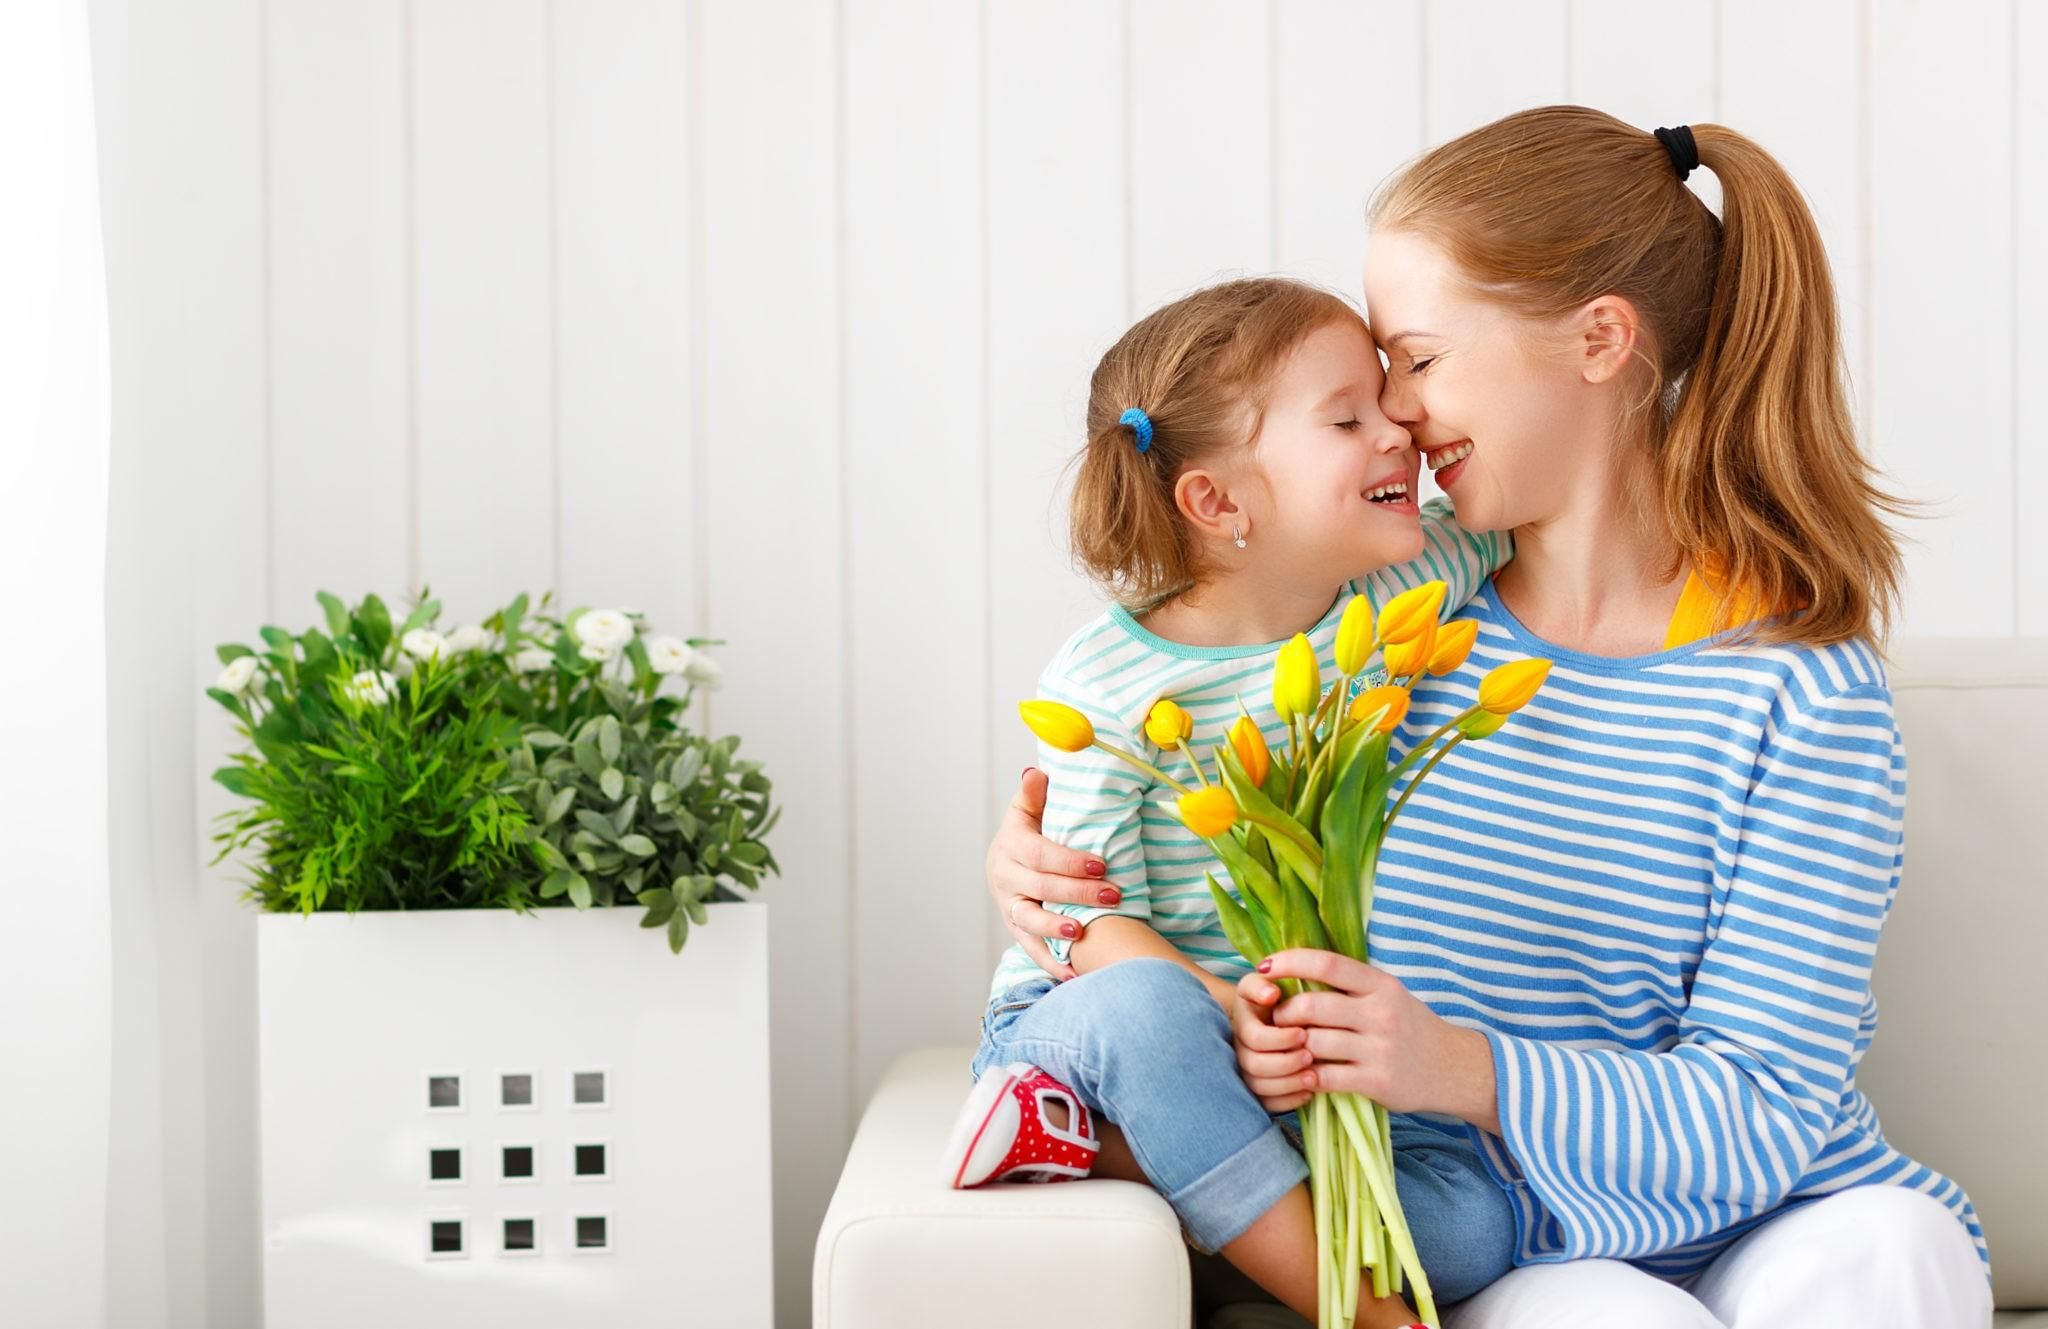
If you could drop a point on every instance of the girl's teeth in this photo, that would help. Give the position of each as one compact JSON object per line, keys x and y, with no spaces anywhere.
{"x":1385,"y":491}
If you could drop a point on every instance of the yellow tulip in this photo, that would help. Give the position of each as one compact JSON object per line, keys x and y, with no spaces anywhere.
{"x":1057,"y":725}
{"x":1208,"y":812}
{"x":1297,"y":679}
{"x":1250,"y":746}
{"x":1168,"y":724}
{"x":1354,"y":636}
{"x":1509,"y":687}
{"x":1407,"y":613}
{"x":1453,"y":644}
{"x":1393,"y":698}
{"x":1481,"y":724}
{"x":1411,"y":656}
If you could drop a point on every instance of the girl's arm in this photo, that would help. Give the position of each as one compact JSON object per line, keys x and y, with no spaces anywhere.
{"x":1114,"y":939}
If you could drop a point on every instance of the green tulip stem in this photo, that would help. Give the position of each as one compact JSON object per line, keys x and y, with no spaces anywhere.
{"x":1143,"y":765}
{"x":1416,"y":783}
{"x":1424,"y":746}
{"x":1182,"y":744}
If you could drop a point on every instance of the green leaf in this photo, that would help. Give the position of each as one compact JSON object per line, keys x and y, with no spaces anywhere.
{"x":426,"y":613}
{"x":278,"y":640}
{"x":588,"y":761}
{"x":542,"y":739}
{"x":579,"y":890}
{"x":233,"y":779}
{"x":612,"y":782}
{"x":608,"y":740}
{"x":695,"y":908}
{"x":678,"y":932}
{"x":637,"y":845}
{"x":231,"y":652}
{"x":597,"y":824}
{"x":623,"y":815}
{"x":556,"y":883}
{"x":375,"y":621}
{"x":753,"y":855}
{"x":1237,"y":923}
{"x":337,"y":613}
{"x":559,"y":806}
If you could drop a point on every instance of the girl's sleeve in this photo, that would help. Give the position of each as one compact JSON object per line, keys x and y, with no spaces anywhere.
{"x":1636,"y":1152}
{"x":1093,"y":803}
{"x":1459,"y":558}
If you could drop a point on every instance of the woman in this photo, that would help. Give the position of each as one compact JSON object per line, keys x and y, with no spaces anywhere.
{"x":1626,"y":944}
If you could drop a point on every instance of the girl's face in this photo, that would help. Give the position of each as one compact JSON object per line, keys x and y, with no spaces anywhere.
{"x":1333,"y":492}
{"x":1498,"y":412}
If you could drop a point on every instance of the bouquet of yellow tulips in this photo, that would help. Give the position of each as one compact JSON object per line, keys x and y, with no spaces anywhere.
{"x":1299,"y":832}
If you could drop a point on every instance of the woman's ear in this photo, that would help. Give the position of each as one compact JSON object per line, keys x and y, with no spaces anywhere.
{"x":1202,"y":499}
{"x":1608,"y":330}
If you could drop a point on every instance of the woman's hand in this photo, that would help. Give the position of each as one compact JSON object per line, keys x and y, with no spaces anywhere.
{"x":1371,"y":1036}
{"x":1273,"y":1062}
{"x":1025,"y":869}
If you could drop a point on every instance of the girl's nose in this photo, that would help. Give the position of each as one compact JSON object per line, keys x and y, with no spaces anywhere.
{"x":1400,"y":404}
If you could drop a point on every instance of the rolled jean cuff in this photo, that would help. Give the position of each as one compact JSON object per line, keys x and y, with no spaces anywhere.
{"x":1217,"y":1207}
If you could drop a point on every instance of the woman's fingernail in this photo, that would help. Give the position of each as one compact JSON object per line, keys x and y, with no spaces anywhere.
{"x":1026,"y":771}
{"x":1109,"y":896}
{"x":1308,"y":1077}
{"x":1094,"y":869}
{"x":1266,"y":966}
{"x":1069,"y":930}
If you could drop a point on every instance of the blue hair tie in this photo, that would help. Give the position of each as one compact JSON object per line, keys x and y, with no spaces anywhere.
{"x":1141,"y":425}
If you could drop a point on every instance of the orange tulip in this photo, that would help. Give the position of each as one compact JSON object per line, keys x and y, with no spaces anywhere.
{"x":1403,"y":618}
{"x":1453,"y":644}
{"x":1411,"y":657}
{"x":1250,"y":746}
{"x":1508,"y":688}
{"x":1058,"y":725}
{"x":1393,"y":698}
{"x":1208,"y":812}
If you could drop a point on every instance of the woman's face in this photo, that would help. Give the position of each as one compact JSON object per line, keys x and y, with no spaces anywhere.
{"x":1500,"y":414}
{"x":1336,"y":480}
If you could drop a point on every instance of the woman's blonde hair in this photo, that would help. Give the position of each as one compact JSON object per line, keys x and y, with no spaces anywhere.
{"x":1745,"y":404}
{"x":1200,"y":369}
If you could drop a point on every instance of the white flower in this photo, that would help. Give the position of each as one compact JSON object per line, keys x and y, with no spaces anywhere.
{"x":373,"y":686}
{"x":704,"y":672}
{"x":469,"y":637}
{"x":604,"y":627}
{"x":424,"y":644}
{"x":239,"y":677}
{"x":403,"y":665}
{"x":597,"y":652}
{"x":532,"y":660}
{"x":669,"y":655}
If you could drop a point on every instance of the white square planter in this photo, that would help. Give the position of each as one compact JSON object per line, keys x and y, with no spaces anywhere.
{"x":473,"y":1117}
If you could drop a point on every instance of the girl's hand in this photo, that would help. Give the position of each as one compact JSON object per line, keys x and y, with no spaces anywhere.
{"x":1371,"y":1036}
{"x":1025,"y":869}
{"x":1274,"y":1062}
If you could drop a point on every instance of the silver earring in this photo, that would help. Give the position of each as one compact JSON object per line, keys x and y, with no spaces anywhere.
{"x":1237,"y":536}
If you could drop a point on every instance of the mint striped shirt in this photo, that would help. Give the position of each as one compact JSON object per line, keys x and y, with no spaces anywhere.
{"x":1113,"y":670}
{"x":1658,"y":891}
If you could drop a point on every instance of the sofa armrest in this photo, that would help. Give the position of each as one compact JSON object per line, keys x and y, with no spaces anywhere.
{"x":899,"y":1249}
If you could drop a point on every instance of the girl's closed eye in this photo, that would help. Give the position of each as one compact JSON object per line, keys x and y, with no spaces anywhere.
{"x":1349,"y":426}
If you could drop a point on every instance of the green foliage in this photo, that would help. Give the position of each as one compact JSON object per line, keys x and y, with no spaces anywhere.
{"x":526,"y":761}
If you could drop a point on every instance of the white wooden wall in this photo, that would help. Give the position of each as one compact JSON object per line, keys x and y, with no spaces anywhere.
{"x":774,"y":320}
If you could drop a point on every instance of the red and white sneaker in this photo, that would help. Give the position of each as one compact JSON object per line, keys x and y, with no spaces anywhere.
{"x":1004,"y":1133}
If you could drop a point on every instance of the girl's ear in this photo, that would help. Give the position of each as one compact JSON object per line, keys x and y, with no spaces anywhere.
{"x":1608,"y":331}
{"x":1202,"y":499}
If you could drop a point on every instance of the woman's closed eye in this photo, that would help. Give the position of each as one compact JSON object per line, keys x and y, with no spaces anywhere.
{"x":1422,"y":365}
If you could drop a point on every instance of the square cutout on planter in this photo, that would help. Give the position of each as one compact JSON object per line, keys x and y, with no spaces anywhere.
{"x":519,"y":1163}
{"x":444,"y":1091}
{"x":518,"y":1091}
{"x":447,"y":1238}
{"x":519,"y":1236}
{"x":590,"y":1088}
{"x":444,"y":1167}
{"x":591,"y":1160}
{"x":593,"y":1233}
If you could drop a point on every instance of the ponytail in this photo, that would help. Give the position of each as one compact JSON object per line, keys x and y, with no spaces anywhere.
{"x":1745,"y":410}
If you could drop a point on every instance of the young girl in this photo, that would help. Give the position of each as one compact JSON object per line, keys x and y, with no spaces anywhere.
{"x":1238,"y":476}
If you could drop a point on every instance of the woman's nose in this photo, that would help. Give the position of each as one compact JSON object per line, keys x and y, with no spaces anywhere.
{"x":1390,"y":437}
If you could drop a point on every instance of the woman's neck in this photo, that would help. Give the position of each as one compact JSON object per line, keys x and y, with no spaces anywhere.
{"x":1593,"y":578}
{"x":1240,"y":609}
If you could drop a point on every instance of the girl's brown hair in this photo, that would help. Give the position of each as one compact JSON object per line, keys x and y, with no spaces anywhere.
{"x":1200,"y":369}
{"x":1755,"y":463}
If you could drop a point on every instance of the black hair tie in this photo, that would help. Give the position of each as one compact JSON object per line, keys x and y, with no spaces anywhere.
{"x":1685,"y":154}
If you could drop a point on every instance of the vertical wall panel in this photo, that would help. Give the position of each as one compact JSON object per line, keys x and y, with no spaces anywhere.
{"x":1941,"y":388}
{"x":623,"y":239}
{"x":1488,"y":58}
{"x":1057,"y":292}
{"x":485,"y":315}
{"x":1201,"y":107}
{"x":2029,"y":74}
{"x":916,"y":505}
{"x":341,"y":487}
{"x":1348,"y":111}
{"x":1800,"y":95}
{"x":775,"y":558}
{"x":1650,"y":65}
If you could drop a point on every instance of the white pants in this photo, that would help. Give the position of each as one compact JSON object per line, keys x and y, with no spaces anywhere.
{"x":1872,"y":1257}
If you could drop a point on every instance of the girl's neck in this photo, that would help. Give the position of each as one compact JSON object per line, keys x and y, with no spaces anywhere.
{"x":1593,"y":578}
{"x":1240,"y":609}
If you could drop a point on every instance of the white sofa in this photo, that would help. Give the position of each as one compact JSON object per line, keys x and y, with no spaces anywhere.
{"x":1958,"y":1072}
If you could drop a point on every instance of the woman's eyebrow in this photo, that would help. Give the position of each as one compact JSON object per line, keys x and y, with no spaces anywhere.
{"x":1412,"y":332}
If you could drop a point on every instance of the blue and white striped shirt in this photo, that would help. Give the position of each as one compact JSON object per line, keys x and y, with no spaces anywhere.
{"x":1658,"y":891}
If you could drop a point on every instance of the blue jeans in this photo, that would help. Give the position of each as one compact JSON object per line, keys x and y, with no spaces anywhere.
{"x":1145,"y":1045}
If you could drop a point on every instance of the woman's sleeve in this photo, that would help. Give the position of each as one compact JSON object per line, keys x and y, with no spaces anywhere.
{"x":1631,"y":1152}
{"x":1459,"y":558}
{"x":1094,"y":803}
